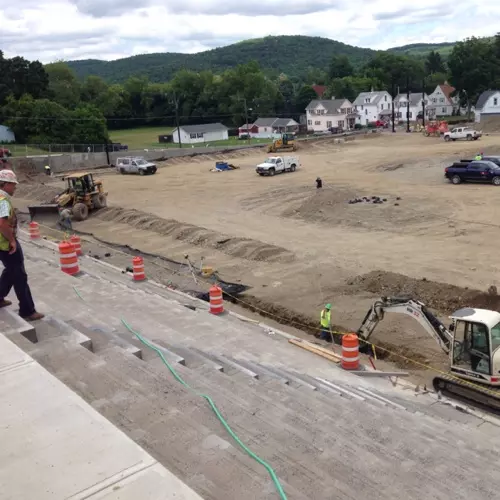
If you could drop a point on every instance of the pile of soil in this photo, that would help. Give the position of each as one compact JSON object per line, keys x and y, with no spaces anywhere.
{"x":441,"y":297}
{"x":244,"y":248}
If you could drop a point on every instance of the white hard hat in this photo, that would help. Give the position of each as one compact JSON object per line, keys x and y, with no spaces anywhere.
{"x":8,"y":176}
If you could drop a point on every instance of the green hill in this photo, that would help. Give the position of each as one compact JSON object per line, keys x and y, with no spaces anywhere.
{"x":422,"y":49}
{"x":292,"y":55}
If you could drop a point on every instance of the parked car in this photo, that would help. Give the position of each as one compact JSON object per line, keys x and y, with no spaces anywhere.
{"x":467,"y":133}
{"x":475,"y":171}
{"x":135,"y":165}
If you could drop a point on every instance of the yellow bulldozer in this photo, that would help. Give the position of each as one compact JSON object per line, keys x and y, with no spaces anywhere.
{"x":82,"y":195}
{"x":286,"y":142}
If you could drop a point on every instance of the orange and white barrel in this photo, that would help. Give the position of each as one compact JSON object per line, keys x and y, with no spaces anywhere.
{"x":34,"y":229}
{"x":216,"y":300}
{"x":350,"y":352}
{"x":68,"y":258}
{"x":77,"y":244}
{"x":138,"y":269}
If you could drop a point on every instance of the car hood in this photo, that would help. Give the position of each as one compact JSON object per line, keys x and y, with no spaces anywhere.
{"x":265,"y":164}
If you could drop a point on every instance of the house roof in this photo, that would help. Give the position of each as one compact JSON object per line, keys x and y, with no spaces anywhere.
{"x":265,"y":122}
{"x":207,"y":127}
{"x":415,"y":98}
{"x":447,"y":89}
{"x":319,"y":89}
{"x":283,"y":122}
{"x":331,"y":105}
{"x":374,"y":97}
{"x":483,"y":98}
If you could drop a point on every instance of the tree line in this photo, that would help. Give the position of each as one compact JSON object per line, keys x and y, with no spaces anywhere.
{"x":49,"y":104}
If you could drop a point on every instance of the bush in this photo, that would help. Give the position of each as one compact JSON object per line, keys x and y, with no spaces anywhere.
{"x":358,"y":126}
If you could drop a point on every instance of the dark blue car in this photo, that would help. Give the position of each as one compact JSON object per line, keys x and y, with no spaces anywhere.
{"x":474,"y":171}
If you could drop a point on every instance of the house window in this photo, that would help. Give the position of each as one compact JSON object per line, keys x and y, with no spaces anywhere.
{"x":495,"y":101}
{"x":385,"y":98}
{"x":309,"y":122}
{"x":367,"y":100}
{"x":441,"y":100}
{"x":366,"y":111}
{"x":434,"y":100}
{"x":361,"y":108}
{"x":192,"y":136}
{"x":443,"y":110}
{"x":317,"y":122}
{"x":381,"y":106}
{"x":340,"y":123}
{"x":328,"y":124}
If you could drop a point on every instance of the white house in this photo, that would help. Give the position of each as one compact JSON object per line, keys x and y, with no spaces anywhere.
{"x":372,"y":106}
{"x":266,"y":128}
{"x":416,"y":106}
{"x":324,"y":114}
{"x":442,"y":100}
{"x":6,"y":135}
{"x":192,"y":134}
{"x":488,"y":104}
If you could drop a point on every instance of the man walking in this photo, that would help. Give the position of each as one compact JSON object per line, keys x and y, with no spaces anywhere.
{"x":11,"y":254}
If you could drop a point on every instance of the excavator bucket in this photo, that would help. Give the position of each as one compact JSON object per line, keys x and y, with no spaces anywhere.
{"x":48,"y":213}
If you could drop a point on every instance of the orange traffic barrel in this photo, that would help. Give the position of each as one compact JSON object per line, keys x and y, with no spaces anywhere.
{"x":216,"y":301}
{"x":77,"y":244}
{"x":138,"y":269}
{"x":350,"y":352}
{"x":68,"y":258}
{"x":34,"y":231}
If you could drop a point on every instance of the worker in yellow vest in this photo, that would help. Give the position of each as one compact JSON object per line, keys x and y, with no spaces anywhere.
{"x":11,"y":254}
{"x":478,"y":157}
{"x":325,"y":321}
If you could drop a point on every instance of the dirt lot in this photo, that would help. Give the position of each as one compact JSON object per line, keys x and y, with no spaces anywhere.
{"x":299,"y":247}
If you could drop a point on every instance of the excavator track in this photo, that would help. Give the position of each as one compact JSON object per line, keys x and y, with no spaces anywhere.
{"x":483,"y":397}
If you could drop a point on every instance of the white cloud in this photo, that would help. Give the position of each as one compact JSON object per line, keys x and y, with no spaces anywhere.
{"x":109,"y":29}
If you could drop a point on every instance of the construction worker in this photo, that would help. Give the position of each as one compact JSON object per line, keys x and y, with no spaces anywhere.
{"x":47,"y":169}
{"x":65,"y":219}
{"x":325,"y":321}
{"x":319,"y":183}
{"x":11,"y":254}
{"x":478,"y":157}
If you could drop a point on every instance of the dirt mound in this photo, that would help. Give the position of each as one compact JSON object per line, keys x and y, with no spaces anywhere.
{"x":38,"y":192}
{"x":243,"y":248}
{"x":441,"y":297}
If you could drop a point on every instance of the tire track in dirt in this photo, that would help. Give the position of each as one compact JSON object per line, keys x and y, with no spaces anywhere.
{"x":244,"y":248}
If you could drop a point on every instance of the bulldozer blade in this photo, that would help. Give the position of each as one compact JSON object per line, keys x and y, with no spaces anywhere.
{"x":48,"y":211}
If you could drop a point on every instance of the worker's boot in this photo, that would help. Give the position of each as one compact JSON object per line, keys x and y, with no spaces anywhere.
{"x":34,"y":317}
{"x":5,"y":303}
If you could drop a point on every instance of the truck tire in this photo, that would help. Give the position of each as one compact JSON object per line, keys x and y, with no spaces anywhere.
{"x":476,"y":138}
{"x":80,"y":211}
{"x":293,"y":167}
{"x":122,"y":171}
{"x":272,"y":171}
{"x":496,"y":180}
{"x":456,"y":179}
{"x":469,"y":137}
{"x":447,"y":138}
{"x":142,"y":172}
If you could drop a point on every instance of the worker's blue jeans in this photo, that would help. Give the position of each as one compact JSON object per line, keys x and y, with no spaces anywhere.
{"x":325,"y":334}
{"x":14,"y":275}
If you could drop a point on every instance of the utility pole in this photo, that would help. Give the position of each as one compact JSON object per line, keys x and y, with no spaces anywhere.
{"x":393,"y":113}
{"x":246,"y":119}
{"x":407,"y":102}
{"x":176,"y":102}
{"x":423,"y":102}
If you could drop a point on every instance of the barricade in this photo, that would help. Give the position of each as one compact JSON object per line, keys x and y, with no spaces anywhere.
{"x":34,"y":229}
{"x":68,"y":258}
{"x":350,"y":352}
{"x":216,"y":300}
{"x":77,"y":244}
{"x":138,"y":269}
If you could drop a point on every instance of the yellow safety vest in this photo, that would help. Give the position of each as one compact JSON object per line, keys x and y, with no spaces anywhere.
{"x":478,"y":157}
{"x":325,"y":318}
{"x":12,"y":220}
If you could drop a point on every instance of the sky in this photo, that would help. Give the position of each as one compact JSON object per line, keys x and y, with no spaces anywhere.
{"x":50,"y":30}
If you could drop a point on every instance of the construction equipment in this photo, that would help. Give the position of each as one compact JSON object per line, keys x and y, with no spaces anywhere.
{"x":83,"y":194}
{"x":435,"y":128}
{"x":472,"y":342}
{"x":285,"y":142}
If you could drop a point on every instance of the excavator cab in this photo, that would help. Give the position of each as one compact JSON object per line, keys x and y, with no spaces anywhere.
{"x":476,"y":339}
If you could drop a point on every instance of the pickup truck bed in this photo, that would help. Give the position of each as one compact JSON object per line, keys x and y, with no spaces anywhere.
{"x":475,"y":171}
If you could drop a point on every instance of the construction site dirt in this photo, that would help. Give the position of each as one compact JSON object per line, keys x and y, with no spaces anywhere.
{"x":299,"y":247}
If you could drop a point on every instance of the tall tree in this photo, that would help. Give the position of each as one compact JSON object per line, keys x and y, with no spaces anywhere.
{"x":64,"y":88}
{"x":304,"y":96}
{"x":340,"y":67}
{"x":434,"y":63}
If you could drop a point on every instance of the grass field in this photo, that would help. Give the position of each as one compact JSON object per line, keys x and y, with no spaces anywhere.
{"x":147,"y":137}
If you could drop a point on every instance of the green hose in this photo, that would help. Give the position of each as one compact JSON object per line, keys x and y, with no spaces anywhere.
{"x":214,"y":408}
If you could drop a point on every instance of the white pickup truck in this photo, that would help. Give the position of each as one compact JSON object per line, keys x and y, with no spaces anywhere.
{"x":135,"y":165}
{"x":277,"y":164}
{"x":467,"y":133}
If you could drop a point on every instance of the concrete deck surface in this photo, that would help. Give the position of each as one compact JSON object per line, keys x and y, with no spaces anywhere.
{"x":54,"y":446}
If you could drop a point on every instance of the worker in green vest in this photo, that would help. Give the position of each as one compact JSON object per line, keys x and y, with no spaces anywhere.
{"x":11,"y":254}
{"x":478,"y":157}
{"x":325,"y":321}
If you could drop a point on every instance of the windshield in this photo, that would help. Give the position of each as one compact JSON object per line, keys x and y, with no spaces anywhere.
{"x":495,"y":337}
{"x":141,"y":162}
{"x":270,"y":160}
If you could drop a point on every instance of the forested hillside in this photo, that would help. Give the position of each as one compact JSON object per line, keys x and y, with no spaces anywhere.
{"x":292,"y":55}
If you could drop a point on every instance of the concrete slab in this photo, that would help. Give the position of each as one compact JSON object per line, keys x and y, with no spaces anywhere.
{"x":55,"y":446}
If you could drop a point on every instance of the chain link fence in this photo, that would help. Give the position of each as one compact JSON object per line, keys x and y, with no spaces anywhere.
{"x":49,"y":149}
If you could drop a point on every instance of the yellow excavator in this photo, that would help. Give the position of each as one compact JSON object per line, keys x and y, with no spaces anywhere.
{"x":83,"y":194}
{"x":285,"y":142}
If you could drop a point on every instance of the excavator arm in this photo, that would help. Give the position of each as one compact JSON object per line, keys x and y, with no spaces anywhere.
{"x":409,"y":307}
